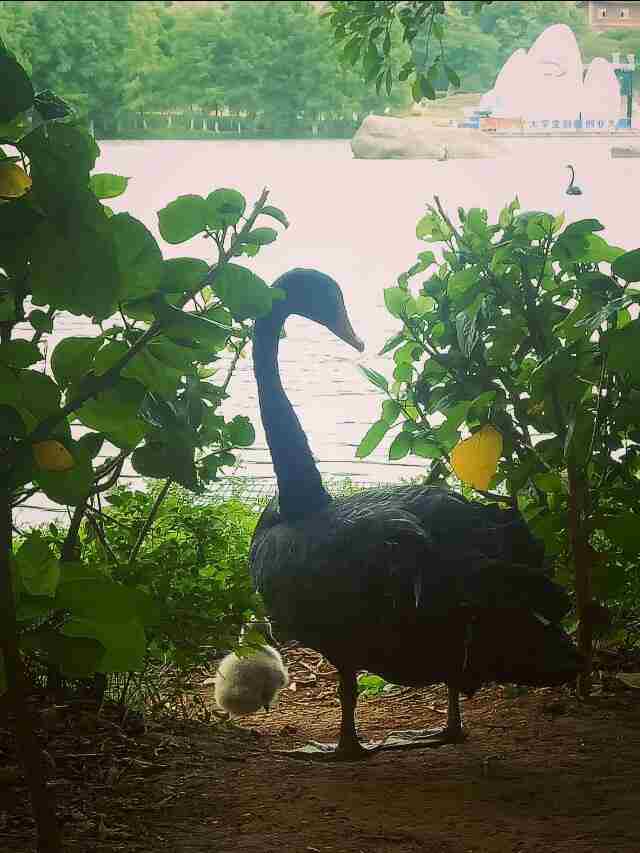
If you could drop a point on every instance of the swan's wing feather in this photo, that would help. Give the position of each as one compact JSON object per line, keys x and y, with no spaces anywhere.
{"x":406,"y":547}
{"x":350,"y":560}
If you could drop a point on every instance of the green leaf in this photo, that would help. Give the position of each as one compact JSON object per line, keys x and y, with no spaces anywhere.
{"x":11,"y":423}
{"x":107,"y":357}
{"x":174,"y":355}
{"x":75,"y":271}
{"x":153,"y":374}
{"x":183,"y":218}
{"x":240,"y":432}
{"x":390,"y":411}
{"x":212,"y":328}
{"x":261,"y":236}
{"x":162,"y":461}
{"x":7,"y":308}
{"x":115,"y":413}
{"x":627,"y":266}
{"x":396,"y":301}
{"x":583,"y":226}
{"x":375,"y":378}
{"x":224,"y":208}
{"x":106,"y":185}
{"x":372,"y":439}
{"x":91,"y":443}
{"x":392,"y":343}
{"x":183,"y":275}
{"x":426,"y":448}
{"x":276,"y":213}
{"x":243,"y":292}
{"x":40,"y":321}
{"x":73,"y":357}
{"x":90,"y":594}
{"x":462,"y":281}
{"x":37,"y":567}
{"x":624,"y":531}
{"x":16,"y":93}
{"x":124,"y":642}
{"x":400,"y":446}
{"x":68,"y":487}
{"x":424,"y":305}
{"x":540,"y":226}
{"x":432,"y":228}
{"x":19,"y":353}
{"x":622,"y":347}
{"x":138,"y":256}
{"x":599,"y":251}
{"x":76,"y":658}
{"x":572,"y":327}
{"x":39,"y":394}
{"x":549,"y":482}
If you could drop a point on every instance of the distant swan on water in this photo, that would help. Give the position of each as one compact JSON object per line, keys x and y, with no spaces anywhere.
{"x":573,"y":189}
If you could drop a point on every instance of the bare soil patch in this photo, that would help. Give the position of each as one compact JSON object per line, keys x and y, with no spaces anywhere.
{"x":539,"y":773}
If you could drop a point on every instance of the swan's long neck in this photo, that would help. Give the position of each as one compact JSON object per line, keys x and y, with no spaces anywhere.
{"x":300,"y":489}
{"x":573,"y":176}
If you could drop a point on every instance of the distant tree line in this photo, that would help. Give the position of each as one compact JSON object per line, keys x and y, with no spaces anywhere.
{"x":273,"y":65}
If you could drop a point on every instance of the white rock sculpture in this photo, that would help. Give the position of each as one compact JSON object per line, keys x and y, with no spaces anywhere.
{"x":548,"y":83}
{"x":601,"y":93}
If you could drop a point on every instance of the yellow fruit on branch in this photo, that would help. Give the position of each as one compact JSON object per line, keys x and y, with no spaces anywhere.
{"x":52,"y":456}
{"x":14,"y":181}
{"x":475,"y":459}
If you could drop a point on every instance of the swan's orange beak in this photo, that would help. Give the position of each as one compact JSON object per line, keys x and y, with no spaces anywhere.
{"x":344,"y":330}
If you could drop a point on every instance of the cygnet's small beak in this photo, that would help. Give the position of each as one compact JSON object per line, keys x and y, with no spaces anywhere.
{"x":344,"y":330}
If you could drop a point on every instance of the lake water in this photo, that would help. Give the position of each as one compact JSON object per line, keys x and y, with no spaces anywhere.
{"x":355,"y":220}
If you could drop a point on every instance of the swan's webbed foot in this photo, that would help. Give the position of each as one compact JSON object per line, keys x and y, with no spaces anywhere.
{"x":423,"y":738}
{"x":351,"y":750}
{"x":431,"y":738}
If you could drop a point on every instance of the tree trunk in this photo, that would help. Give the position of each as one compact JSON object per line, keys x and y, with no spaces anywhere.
{"x":35,"y":769}
{"x":582,"y":564}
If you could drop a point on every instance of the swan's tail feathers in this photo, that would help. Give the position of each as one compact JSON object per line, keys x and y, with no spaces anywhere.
{"x":520,"y":647}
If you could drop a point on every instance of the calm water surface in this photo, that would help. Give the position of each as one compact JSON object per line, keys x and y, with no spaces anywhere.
{"x":355,"y":220}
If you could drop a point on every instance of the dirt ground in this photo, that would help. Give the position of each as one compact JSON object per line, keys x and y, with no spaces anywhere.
{"x":539,"y":772}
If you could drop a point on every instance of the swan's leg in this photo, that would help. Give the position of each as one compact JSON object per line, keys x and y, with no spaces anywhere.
{"x":349,"y":747}
{"x":454,"y":717}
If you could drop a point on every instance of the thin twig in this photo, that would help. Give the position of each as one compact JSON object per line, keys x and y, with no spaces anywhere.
{"x":150,"y":519}
{"x":103,"y":539}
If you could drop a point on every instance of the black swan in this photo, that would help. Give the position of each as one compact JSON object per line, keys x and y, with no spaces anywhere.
{"x":414,"y":583}
{"x":573,"y":189}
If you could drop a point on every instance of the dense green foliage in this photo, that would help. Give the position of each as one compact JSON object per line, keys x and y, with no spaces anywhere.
{"x":192,"y":561}
{"x":146,"y":388}
{"x":525,"y":325}
{"x":460,"y":42}
{"x":269,"y":60}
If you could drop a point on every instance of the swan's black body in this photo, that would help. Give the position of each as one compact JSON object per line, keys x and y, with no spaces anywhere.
{"x":573,"y":188}
{"x":414,"y":583}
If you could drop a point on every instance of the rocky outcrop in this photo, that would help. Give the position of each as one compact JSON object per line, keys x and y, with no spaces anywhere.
{"x":385,"y":138}
{"x":625,"y":151}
